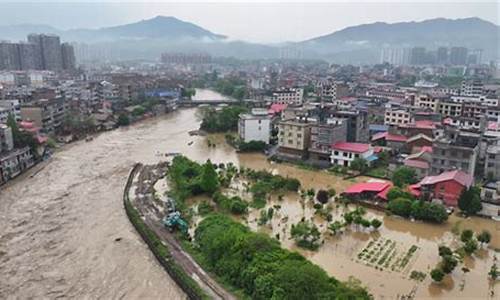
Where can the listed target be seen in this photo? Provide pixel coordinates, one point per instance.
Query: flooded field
(65, 234)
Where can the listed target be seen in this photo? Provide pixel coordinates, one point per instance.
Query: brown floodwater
(64, 233)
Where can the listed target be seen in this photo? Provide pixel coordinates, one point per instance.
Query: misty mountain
(473, 33)
(147, 39)
(156, 28)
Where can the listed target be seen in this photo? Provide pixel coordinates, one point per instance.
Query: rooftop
(351, 147)
(456, 175)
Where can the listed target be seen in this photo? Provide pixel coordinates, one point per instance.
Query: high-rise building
(68, 56)
(395, 56)
(442, 55)
(9, 56)
(50, 48)
(418, 56)
(458, 55)
(29, 57)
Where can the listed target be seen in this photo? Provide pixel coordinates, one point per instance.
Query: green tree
(448, 263)
(306, 235)
(466, 235)
(209, 181)
(359, 164)
(470, 246)
(484, 237)
(443, 250)
(21, 138)
(396, 192)
(400, 206)
(123, 120)
(376, 223)
(403, 176)
(437, 275)
(494, 273)
(335, 227)
(332, 192)
(322, 196)
(469, 201)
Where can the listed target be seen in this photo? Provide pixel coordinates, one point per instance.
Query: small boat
(190, 143)
(89, 138)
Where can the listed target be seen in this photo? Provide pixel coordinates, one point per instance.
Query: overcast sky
(256, 21)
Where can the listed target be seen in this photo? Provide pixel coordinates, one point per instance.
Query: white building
(293, 96)
(14, 107)
(255, 126)
(344, 153)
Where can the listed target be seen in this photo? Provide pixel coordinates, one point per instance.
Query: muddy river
(64, 233)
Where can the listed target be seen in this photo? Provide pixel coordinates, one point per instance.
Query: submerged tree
(306, 235)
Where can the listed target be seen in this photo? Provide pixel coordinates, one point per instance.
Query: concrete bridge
(186, 102)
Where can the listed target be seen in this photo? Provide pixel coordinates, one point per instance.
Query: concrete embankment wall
(160, 251)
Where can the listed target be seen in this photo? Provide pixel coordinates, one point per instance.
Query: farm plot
(387, 254)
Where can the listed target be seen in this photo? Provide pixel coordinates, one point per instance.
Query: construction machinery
(173, 220)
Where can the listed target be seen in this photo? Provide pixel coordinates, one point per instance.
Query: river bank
(59, 227)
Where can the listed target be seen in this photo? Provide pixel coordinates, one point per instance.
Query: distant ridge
(354, 44)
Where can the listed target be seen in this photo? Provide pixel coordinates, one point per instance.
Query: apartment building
(290, 96)
(472, 88)
(6, 139)
(331, 89)
(427, 102)
(294, 138)
(45, 114)
(357, 124)
(449, 108)
(397, 117)
(13, 106)
(454, 150)
(255, 126)
(323, 136)
(14, 162)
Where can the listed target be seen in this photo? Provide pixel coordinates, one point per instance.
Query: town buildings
(255, 126)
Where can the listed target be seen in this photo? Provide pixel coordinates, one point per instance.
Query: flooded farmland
(65, 234)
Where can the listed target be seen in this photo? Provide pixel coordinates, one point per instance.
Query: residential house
(490, 199)
(445, 187)
(343, 153)
(255, 126)
(294, 138)
(323, 136)
(455, 150)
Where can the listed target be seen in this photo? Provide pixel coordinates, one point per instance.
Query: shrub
(322, 196)
(437, 275)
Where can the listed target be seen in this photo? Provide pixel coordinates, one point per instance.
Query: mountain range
(146, 39)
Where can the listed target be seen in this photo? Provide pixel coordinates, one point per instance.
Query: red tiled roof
(456, 175)
(414, 189)
(383, 193)
(367, 187)
(389, 137)
(277, 108)
(378, 136)
(422, 124)
(419, 164)
(426, 149)
(351, 147)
